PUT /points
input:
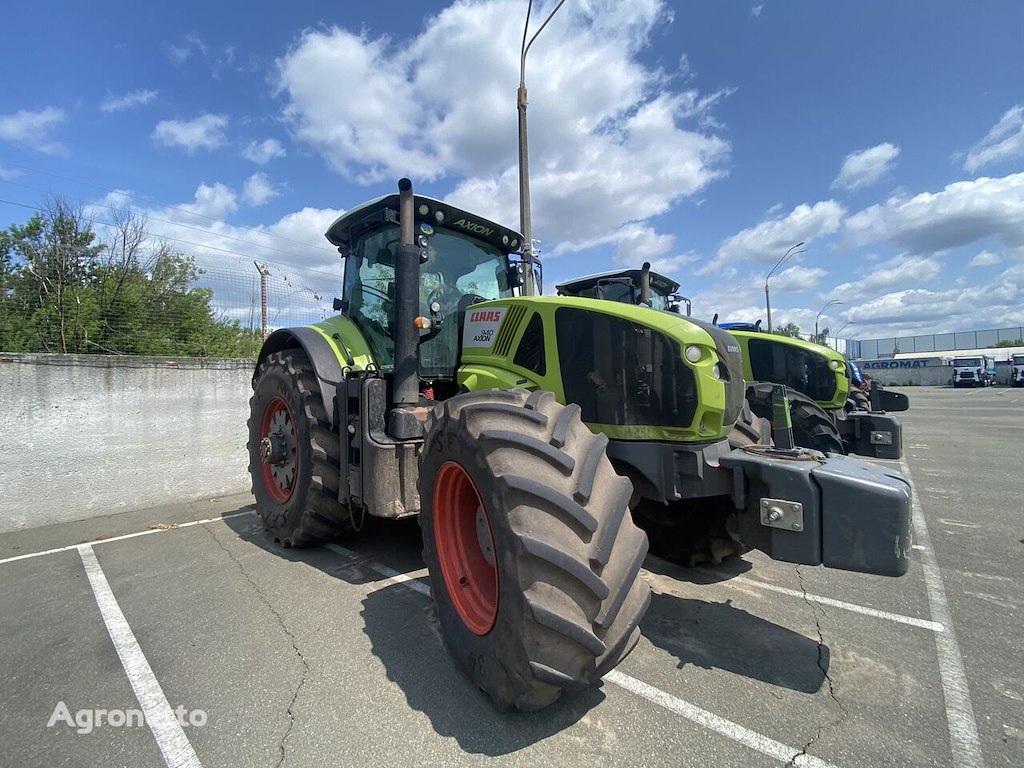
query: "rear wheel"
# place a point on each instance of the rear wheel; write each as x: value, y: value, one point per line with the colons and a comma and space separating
x: 294, y: 456
x: 812, y: 426
x: 533, y: 558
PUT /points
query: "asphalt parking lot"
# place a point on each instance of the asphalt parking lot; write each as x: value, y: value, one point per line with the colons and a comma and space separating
x: 246, y: 654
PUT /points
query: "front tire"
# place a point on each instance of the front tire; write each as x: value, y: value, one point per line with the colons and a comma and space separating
x: 294, y: 456
x: 534, y: 561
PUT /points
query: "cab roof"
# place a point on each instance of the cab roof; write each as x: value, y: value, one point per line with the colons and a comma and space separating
x: 429, y: 212
x: 659, y: 283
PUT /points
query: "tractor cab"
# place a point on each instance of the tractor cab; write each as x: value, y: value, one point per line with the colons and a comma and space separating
x: 627, y: 287
x: 463, y: 259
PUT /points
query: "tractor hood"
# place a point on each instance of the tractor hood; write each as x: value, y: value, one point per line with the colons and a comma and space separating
x: 636, y: 373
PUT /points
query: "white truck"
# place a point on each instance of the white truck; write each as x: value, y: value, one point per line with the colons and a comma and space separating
x: 974, y: 371
x: 1017, y: 371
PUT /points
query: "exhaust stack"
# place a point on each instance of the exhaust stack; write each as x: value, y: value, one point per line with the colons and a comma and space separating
x: 645, y: 284
x: 407, y: 278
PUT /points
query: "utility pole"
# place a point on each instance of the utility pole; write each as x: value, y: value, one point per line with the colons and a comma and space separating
x: 525, y: 221
x: 831, y: 303
x: 767, y: 301
x: 264, y: 274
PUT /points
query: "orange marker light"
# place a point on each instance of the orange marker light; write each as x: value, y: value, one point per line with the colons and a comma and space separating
x: 423, y: 323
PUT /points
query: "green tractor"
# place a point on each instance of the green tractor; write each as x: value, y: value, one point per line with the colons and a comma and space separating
x: 827, y: 413
x: 522, y: 429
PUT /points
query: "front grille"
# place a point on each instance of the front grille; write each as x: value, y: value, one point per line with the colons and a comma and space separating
x: 621, y: 373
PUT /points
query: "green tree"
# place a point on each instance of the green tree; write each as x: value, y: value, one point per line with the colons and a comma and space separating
x: 62, y: 291
x: 821, y: 338
x: 1009, y: 343
x: 789, y: 329
x: 52, y: 258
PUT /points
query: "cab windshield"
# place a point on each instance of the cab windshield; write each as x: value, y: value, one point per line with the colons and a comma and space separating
x: 967, y: 362
x: 622, y: 290
x: 1018, y: 359
x: 458, y: 270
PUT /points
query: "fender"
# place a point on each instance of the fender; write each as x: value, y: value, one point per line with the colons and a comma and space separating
x: 329, y: 372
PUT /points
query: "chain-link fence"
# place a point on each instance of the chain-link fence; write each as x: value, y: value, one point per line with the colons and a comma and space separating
x: 168, y: 306
x: 873, y: 349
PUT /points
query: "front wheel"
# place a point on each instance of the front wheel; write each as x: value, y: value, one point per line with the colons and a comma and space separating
x: 294, y: 456
x: 534, y: 561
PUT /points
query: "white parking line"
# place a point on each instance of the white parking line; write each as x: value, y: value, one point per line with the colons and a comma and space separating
x: 748, y: 738
x: 963, y: 730
x: 934, y: 626
x: 174, y: 745
x: 172, y: 527
x: 775, y: 749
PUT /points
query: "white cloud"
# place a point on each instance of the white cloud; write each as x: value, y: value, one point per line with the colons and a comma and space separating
x: 9, y: 174
x: 995, y: 304
x: 129, y: 100
x: 756, y: 10
x: 258, y: 190
x: 1004, y: 141
x: 768, y: 241
x: 203, y: 132
x: 197, y: 227
x: 798, y: 279
x: 177, y: 54
x: 262, y: 152
x: 604, y: 151
x: 32, y: 129
x: 212, y: 201
x: 898, y: 271
x: 962, y: 213
x: 866, y: 166
x: 985, y: 259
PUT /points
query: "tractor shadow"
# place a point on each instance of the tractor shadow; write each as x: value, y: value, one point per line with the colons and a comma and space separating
x: 405, y: 635
x: 729, y: 568
x: 718, y: 635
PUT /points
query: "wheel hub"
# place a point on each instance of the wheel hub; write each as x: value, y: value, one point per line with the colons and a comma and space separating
x: 465, y: 548
x: 278, y: 450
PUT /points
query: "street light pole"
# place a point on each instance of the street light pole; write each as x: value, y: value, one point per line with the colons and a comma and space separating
x: 767, y: 301
x: 525, y: 222
x: 843, y: 328
x: 831, y: 303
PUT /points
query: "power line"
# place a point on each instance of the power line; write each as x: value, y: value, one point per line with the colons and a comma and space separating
x: 112, y: 209
x: 187, y: 242
x: 156, y: 202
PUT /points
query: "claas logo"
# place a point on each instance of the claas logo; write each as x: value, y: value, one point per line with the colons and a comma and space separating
x: 485, y: 316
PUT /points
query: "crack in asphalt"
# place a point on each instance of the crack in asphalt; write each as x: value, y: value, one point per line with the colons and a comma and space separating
x: 287, y: 632
x: 818, y: 612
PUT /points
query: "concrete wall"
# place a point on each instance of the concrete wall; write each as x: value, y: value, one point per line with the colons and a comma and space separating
x: 91, y: 435
x: 927, y: 373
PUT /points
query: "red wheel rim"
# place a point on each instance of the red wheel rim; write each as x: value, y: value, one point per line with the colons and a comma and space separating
x: 465, y: 548
x: 279, y: 450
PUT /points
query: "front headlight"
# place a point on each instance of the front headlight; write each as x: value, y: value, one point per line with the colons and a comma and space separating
x: 716, y: 372
x: 693, y: 353
x: 835, y: 365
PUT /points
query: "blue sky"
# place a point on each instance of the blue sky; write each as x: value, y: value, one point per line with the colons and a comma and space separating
x: 707, y: 137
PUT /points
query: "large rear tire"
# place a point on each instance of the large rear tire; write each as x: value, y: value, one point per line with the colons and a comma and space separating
x: 812, y: 426
x: 533, y: 558
x: 294, y: 456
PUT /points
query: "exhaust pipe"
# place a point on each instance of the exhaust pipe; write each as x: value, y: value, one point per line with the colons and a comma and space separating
x: 407, y: 281
x: 645, y: 284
